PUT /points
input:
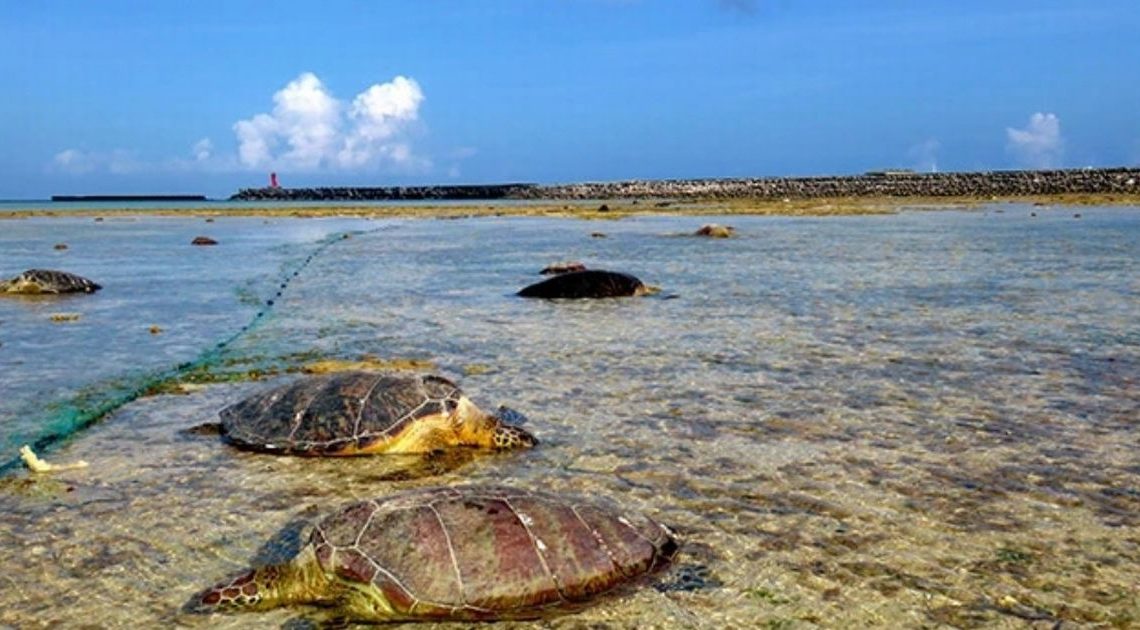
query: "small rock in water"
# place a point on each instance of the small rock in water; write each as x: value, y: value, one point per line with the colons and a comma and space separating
x: 154, y: 330
x: 203, y: 240
x: 65, y: 317
x: 61, y: 246
x: 603, y: 208
x: 597, y: 234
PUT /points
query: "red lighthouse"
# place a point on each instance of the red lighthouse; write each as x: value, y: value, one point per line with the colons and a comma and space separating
x: 273, y: 181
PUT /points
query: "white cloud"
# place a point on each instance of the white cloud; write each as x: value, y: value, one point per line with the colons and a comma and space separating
x: 73, y: 161
x: 118, y: 162
x: 203, y: 149
x: 1039, y: 145
x: 309, y: 129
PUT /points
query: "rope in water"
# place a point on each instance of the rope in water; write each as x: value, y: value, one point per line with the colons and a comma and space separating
x: 85, y: 410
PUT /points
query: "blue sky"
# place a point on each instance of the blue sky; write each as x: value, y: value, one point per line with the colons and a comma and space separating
x: 207, y: 97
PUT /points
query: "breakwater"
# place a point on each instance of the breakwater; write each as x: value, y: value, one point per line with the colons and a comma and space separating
x: 982, y: 184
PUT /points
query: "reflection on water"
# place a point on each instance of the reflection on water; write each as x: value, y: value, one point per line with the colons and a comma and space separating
x: 915, y: 420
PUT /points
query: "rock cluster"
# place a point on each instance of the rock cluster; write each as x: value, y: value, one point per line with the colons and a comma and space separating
x: 885, y: 184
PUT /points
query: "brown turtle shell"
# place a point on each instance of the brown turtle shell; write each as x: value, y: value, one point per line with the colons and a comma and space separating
x: 334, y: 412
x: 49, y: 281
x: 487, y: 552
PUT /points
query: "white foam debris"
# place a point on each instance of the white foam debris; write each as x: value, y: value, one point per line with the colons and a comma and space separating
x: 37, y: 465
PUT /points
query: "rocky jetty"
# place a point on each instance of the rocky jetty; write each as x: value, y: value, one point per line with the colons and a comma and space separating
x: 983, y: 185
x: 881, y: 184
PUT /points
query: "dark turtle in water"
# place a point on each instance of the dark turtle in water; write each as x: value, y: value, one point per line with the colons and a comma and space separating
x: 590, y: 283
x: 477, y: 552
x: 715, y: 230
x: 362, y: 413
x: 37, y: 281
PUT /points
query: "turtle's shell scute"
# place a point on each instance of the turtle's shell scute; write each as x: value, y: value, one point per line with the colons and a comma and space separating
x: 333, y: 412
x: 49, y: 281
x: 485, y: 552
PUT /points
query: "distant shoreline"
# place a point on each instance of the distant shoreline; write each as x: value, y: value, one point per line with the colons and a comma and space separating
x: 876, y: 184
x: 597, y: 209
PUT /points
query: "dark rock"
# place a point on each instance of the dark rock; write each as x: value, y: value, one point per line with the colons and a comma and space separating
x: 203, y: 240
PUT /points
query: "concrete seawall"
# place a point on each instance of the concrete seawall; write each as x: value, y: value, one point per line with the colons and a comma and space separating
x: 1123, y: 181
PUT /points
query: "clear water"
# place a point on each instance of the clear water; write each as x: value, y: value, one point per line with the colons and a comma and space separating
x: 923, y: 419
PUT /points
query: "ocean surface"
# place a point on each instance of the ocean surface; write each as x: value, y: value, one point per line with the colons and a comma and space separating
x: 926, y: 419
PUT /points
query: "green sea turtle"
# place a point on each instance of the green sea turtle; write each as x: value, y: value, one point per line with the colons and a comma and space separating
x: 476, y: 552
x: 589, y: 283
x: 36, y: 281
x: 362, y: 413
x: 715, y: 230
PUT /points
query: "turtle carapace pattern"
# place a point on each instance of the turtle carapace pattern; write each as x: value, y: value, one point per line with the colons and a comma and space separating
x: 478, y: 552
x: 40, y: 281
x: 364, y: 413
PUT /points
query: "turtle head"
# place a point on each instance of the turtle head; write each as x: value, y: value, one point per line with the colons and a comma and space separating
x: 296, y: 582
x: 247, y: 590
x: 647, y: 289
x: 496, y: 431
x: 509, y: 437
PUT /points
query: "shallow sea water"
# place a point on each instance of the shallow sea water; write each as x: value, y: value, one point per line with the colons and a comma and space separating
x: 926, y: 419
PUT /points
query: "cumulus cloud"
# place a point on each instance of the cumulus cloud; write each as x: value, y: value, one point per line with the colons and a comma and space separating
x: 310, y: 129
x: 203, y: 149
x: 1039, y: 144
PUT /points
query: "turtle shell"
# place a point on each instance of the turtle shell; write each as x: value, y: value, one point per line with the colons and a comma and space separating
x: 588, y: 283
x: 336, y: 412
x: 487, y: 552
x: 49, y: 281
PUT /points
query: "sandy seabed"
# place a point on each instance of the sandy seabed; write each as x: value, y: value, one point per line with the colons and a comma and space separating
x: 933, y: 425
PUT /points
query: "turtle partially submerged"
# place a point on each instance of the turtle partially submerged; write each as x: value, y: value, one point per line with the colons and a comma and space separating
x: 477, y: 552
x: 362, y: 413
x: 37, y: 281
x: 588, y: 283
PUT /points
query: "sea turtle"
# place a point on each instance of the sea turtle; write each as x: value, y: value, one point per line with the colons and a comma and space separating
x: 476, y: 552
x: 362, y: 413
x: 590, y: 283
x: 715, y: 230
x: 35, y: 281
